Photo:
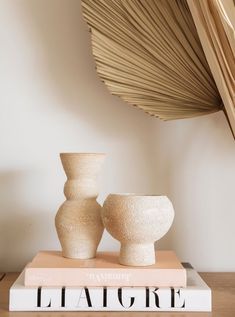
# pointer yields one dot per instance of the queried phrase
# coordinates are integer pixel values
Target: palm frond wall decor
(148, 53)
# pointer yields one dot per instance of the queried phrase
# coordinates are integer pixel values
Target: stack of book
(54, 283)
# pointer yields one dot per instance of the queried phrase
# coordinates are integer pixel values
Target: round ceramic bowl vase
(137, 221)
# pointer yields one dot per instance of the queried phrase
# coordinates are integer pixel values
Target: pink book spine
(105, 277)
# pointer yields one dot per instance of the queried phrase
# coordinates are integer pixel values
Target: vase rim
(81, 154)
(136, 195)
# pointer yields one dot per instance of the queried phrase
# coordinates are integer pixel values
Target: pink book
(50, 268)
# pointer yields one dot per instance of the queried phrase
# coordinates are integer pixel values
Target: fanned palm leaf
(148, 53)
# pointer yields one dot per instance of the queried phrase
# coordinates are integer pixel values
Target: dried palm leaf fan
(148, 53)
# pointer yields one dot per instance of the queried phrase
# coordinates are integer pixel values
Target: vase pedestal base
(137, 254)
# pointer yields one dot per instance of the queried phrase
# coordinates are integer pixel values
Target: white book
(195, 297)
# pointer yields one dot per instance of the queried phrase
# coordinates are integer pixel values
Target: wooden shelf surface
(223, 301)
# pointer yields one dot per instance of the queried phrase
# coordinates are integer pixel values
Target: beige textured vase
(78, 220)
(137, 221)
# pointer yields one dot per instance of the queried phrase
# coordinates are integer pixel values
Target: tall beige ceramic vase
(78, 220)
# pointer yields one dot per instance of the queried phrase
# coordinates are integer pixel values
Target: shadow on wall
(64, 41)
(22, 228)
(198, 165)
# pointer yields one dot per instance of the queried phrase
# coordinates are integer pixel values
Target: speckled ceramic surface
(137, 221)
(78, 220)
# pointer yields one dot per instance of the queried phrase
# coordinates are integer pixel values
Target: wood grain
(223, 295)
(2, 276)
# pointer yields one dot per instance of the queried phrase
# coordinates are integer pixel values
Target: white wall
(52, 101)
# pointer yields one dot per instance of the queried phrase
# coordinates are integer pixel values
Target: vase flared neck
(82, 170)
(82, 165)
